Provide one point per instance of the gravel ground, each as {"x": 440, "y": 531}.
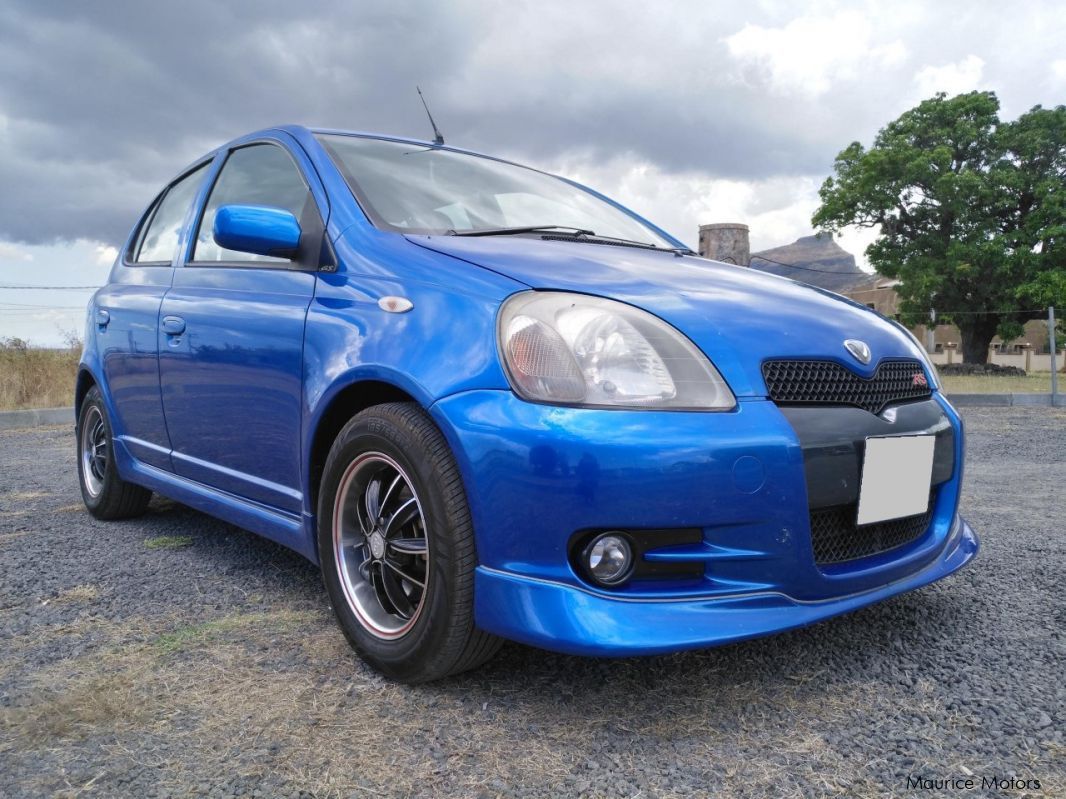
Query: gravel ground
{"x": 176, "y": 655}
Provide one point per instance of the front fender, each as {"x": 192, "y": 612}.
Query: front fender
{"x": 444, "y": 345}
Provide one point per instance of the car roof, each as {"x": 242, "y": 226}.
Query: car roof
{"x": 371, "y": 135}
{"x": 301, "y": 132}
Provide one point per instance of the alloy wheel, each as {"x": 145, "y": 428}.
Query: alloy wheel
{"x": 93, "y": 451}
{"x": 380, "y": 545}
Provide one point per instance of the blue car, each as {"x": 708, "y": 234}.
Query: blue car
{"x": 493, "y": 404}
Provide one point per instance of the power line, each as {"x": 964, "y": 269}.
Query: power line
{"x": 25, "y": 305}
{"x": 24, "y": 287}
{"x": 31, "y": 311}
{"x": 812, "y": 269}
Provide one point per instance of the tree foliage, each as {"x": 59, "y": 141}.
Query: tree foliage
{"x": 971, "y": 212}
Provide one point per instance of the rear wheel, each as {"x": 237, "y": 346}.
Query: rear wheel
{"x": 106, "y": 495}
{"x": 397, "y": 547}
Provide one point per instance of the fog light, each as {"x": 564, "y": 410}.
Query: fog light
{"x": 609, "y": 559}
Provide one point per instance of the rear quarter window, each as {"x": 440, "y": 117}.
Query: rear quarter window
{"x": 159, "y": 239}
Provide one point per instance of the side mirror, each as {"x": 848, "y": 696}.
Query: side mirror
{"x": 257, "y": 229}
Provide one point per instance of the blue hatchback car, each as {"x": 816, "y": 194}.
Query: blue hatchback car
{"x": 491, "y": 403}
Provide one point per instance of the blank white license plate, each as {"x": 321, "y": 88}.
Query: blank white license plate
{"x": 896, "y": 474}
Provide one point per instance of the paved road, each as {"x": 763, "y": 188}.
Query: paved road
{"x": 175, "y": 655}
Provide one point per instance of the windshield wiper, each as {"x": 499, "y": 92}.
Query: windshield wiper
{"x": 645, "y": 244}
{"x": 579, "y": 234}
{"x": 508, "y": 231}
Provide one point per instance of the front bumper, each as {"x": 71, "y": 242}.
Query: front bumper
{"x": 566, "y": 619}
{"x": 536, "y": 475}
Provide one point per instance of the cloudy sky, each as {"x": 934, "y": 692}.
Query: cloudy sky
{"x": 689, "y": 112}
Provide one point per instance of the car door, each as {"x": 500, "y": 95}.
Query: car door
{"x": 127, "y": 316}
{"x": 231, "y": 339}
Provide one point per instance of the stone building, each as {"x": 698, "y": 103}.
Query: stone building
{"x": 726, "y": 242}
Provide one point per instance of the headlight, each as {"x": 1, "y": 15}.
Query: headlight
{"x": 920, "y": 351}
{"x": 572, "y": 349}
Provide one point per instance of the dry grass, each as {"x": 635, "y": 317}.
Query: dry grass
{"x": 36, "y": 378}
{"x": 22, "y": 496}
{"x": 217, "y": 689}
{"x": 168, "y": 542}
{"x": 77, "y": 708}
{"x": 77, "y": 594}
{"x": 277, "y": 694}
{"x": 1034, "y": 382}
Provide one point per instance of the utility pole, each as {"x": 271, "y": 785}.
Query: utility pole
{"x": 930, "y": 333}
{"x": 1054, "y": 366}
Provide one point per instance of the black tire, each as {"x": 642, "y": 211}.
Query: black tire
{"x": 106, "y": 495}
{"x": 439, "y": 638}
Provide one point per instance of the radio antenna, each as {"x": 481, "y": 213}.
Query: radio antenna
{"x": 437, "y": 138}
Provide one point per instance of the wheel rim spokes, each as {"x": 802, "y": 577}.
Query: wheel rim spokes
{"x": 409, "y": 546}
{"x": 380, "y": 544}
{"x": 403, "y": 516}
{"x": 393, "y": 591}
{"x": 371, "y": 505}
{"x": 93, "y": 446}
{"x": 390, "y": 492}
{"x": 400, "y": 573}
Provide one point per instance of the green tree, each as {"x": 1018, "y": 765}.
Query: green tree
{"x": 971, "y": 212}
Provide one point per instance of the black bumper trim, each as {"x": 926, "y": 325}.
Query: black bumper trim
{"x": 833, "y": 440}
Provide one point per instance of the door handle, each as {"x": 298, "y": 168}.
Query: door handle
{"x": 173, "y": 325}
{"x": 103, "y": 318}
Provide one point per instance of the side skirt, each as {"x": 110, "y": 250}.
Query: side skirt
{"x": 288, "y": 529}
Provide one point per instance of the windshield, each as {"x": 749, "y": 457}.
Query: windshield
{"x": 411, "y": 188}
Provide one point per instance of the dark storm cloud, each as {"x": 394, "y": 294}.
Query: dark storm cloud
{"x": 100, "y": 103}
{"x": 103, "y": 102}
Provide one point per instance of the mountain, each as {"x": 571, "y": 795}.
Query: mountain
{"x": 825, "y": 263}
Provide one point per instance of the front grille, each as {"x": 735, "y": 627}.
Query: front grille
{"x": 836, "y": 538}
{"x": 798, "y": 382}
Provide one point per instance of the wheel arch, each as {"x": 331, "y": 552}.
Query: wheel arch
{"x": 85, "y": 381}
{"x": 345, "y": 403}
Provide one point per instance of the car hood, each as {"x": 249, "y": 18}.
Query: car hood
{"x": 739, "y": 317}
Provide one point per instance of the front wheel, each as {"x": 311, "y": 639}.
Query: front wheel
{"x": 397, "y": 547}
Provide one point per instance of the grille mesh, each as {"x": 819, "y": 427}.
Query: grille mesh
{"x": 793, "y": 382}
{"x": 836, "y": 538}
